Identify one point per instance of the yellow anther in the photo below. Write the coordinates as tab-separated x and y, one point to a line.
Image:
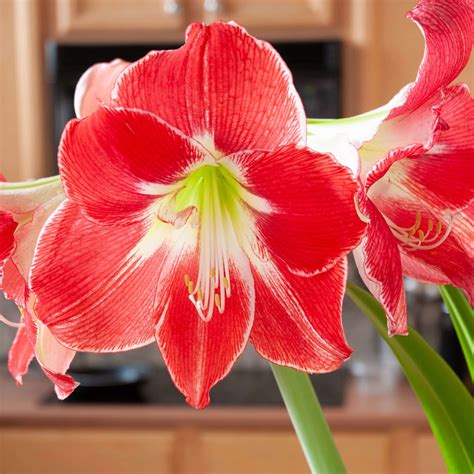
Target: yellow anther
213	272
417	220
217	300
430	225
199	294
421	235
438	227
226	283
191	286
411	233
186	280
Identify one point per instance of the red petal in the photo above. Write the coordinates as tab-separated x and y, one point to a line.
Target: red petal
114	161
199	354
440	177
7	229
309	218
95	86
94	286
442	128
13	284
379	265
448	31
298	320
20	355
223	85
26	237
64	384
53	358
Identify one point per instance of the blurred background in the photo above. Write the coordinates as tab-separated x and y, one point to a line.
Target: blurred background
346	56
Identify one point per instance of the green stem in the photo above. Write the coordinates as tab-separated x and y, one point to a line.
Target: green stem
462	317
9	186
309	421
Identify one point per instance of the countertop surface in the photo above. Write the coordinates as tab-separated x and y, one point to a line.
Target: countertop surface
367	405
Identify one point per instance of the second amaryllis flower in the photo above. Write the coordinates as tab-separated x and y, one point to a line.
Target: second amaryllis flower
414	159
197	218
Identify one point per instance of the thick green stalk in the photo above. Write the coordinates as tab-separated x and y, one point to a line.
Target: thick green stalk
446	402
309	421
463	321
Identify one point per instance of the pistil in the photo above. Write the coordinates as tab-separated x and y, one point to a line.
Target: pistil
214	193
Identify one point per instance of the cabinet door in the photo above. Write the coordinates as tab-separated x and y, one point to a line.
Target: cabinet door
252	452
271	14
78	18
76	451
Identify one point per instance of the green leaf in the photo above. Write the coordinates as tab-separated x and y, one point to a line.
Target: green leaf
445	400
309	421
463	321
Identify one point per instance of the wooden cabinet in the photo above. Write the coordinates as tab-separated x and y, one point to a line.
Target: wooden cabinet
205	451
109	18
63	451
271	14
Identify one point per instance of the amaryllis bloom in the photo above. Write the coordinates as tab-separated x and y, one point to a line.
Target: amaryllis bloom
24	209
414	158
197	218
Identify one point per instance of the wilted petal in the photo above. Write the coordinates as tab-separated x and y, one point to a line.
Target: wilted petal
20	355
53	358
298	319
223	86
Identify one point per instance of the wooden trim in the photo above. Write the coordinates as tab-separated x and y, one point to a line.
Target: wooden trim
361	56
31	89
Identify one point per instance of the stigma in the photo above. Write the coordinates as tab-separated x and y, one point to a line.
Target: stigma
426	236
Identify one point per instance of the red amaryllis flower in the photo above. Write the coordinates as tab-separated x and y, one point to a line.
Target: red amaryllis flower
24	208
197	218
415	160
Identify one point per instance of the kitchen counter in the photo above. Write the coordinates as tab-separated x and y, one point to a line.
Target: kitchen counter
377	430
366	405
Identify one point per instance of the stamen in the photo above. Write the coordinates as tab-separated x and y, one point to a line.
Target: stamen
217	301
212	285
415	238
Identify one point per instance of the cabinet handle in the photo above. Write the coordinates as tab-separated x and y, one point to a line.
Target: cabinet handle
172	7
213	6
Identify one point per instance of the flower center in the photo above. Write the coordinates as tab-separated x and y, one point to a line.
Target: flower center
216	196
421	237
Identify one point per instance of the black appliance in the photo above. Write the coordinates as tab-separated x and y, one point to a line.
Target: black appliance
315	67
